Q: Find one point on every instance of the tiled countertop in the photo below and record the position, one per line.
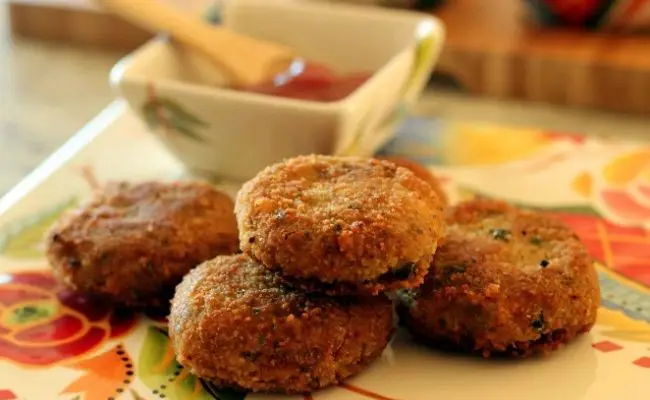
(48, 92)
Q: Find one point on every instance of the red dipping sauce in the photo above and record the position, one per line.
(315, 83)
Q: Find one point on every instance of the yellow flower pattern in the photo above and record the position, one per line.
(485, 144)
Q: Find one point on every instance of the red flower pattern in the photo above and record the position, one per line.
(40, 327)
(623, 249)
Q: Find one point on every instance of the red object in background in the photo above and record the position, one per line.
(574, 12)
(315, 83)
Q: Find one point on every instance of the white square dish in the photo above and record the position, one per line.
(234, 134)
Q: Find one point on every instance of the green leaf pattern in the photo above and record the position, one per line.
(423, 49)
(213, 13)
(162, 112)
(25, 238)
(160, 372)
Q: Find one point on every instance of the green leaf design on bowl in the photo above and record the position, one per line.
(164, 113)
(23, 239)
(394, 117)
(160, 372)
(358, 136)
(424, 48)
(213, 13)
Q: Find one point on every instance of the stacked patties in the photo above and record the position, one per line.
(341, 225)
(323, 238)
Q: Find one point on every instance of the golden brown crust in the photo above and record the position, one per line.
(132, 243)
(421, 172)
(235, 323)
(504, 281)
(363, 223)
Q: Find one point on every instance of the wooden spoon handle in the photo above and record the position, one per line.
(246, 60)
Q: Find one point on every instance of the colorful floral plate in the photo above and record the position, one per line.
(58, 346)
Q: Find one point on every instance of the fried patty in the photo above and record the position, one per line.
(421, 172)
(132, 243)
(236, 324)
(341, 224)
(504, 281)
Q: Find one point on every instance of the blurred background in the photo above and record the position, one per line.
(566, 65)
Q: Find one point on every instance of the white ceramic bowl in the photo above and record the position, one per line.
(231, 134)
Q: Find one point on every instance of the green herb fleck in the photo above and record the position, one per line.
(407, 297)
(538, 324)
(500, 234)
(261, 339)
(536, 240)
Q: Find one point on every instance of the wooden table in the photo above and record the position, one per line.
(491, 50)
(73, 21)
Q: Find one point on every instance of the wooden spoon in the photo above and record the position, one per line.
(245, 60)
